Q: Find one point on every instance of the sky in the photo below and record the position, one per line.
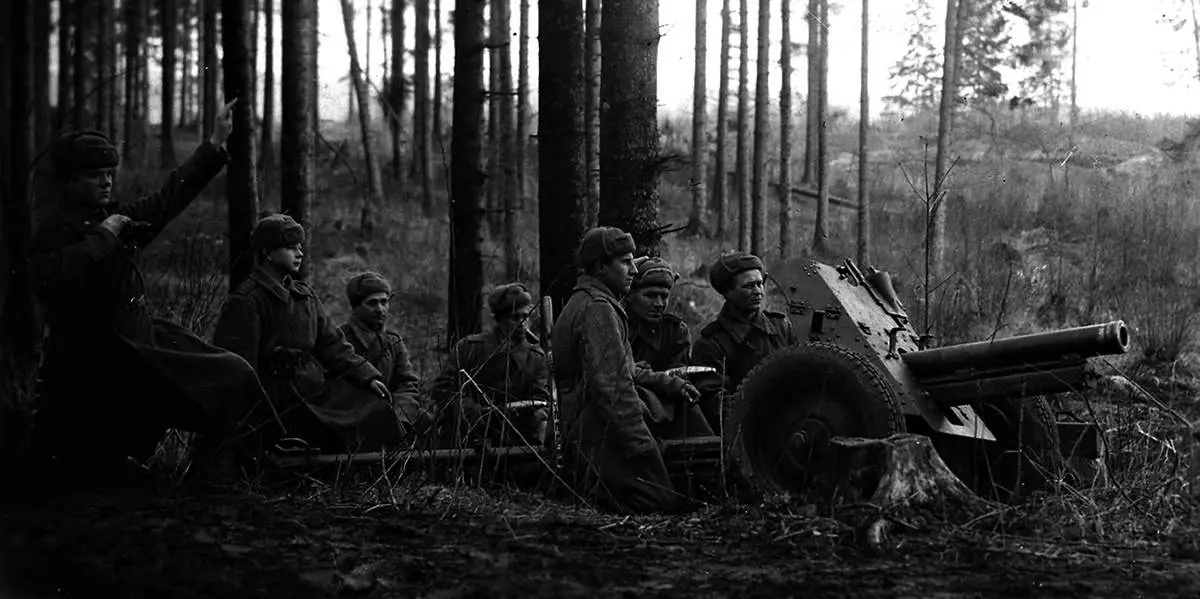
(1128, 59)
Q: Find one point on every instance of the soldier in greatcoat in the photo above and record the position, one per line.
(495, 370)
(659, 341)
(113, 378)
(370, 296)
(614, 458)
(742, 334)
(279, 325)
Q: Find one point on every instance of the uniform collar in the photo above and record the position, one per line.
(644, 329)
(366, 336)
(739, 325)
(596, 288)
(282, 289)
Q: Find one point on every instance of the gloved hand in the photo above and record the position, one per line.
(378, 388)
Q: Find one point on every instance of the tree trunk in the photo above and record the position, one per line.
(18, 327)
(521, 145)
(143, 84)
(422, 139)
(699, 118)
(105, 39)
(210, 65)
(185, 71)
(253, 92)
(62, 111)
(41, 74)
(864, 124)
(937, 237)
(820, 244)
(562, 167)
(298, 127)
(130, 149)
(785, 131)
(438, 127)
(743, 127)
(721, 180)
(396, 93)
(492, 205)
(241, 185)
(166, 155)
(267, 149)
(629, 157)
(762, 108)
(592, 62)
(903, 470)
(374, 197)
(812, 121)
(466, 172)
(80, 68)
(507, 183)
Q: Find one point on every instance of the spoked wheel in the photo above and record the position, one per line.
(1025, 456)
(790, 406)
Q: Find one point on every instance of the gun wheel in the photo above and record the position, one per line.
(792, 404)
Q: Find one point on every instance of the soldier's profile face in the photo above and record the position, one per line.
(617, 274)
(648, 303)
(373, 310)
(93, 186)
(286, 259)
(746, 292)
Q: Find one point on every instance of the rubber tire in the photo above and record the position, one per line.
(1025, 457)
(867, 400)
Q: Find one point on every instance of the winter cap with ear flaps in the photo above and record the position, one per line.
(724, 268)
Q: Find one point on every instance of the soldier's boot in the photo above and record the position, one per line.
(216, 464)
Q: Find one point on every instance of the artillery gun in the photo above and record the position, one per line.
(864, 371)
(861, 370)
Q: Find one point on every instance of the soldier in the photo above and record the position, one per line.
(504, 365)
(742, 334)
(616, 460)
(659, 341)
(279, 325)
(370, 296)
(113, 379)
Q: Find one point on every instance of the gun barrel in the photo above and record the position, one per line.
(1024, 350)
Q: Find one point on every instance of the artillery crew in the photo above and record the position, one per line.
(743, 333)
(278, 324)
(489, 371)
(369, 295)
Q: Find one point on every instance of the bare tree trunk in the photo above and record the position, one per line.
(422, 138)
(937, 238)
(508, 189)
(762, 108)
(253, 93)
(267, 149)
(103, 16)
(18, 330)
(375, 192)
(785, 131)
(820, 245)
(210, 66)
(812, 122)
(143, 84)
(241, 185)
(297, 123)
(62, 110)
(629, 158)
(1075, 31)
(492, 187)
(743, 127)
(79, 71)
(438, 128)
(521, 146)
(41, 74)
(396, 93)
(864, 127)
(1075, 62)
(699, 118)
(185, 71)
(721, 180)
(166, 155)
(562, 166)
(591, 107)
(133, 64)
(466, 172)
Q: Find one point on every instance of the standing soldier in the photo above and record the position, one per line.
(279, 325)
(370, 297)
(742, 334)
(495, 369)
(617, 462)
(113, 378)
(659, 341)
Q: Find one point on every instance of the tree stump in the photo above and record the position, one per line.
(902, 470)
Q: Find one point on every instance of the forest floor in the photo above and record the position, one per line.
(312, 539)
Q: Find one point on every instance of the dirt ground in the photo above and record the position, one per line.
(305, 539)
